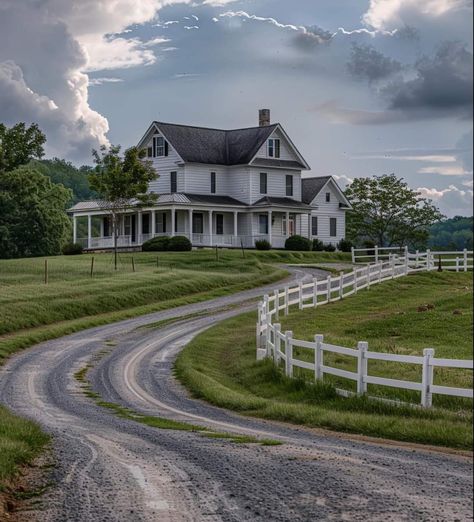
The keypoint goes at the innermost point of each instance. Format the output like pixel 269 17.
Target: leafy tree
pixel 387 211
pixel 33 221
pixel 20 144
pixel 121 182
pixel 452 234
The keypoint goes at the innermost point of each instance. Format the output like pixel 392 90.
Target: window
pixel 328 197
pixel 198 223
pixel 263 183
pixel 145 223
pixel 263 223
pixel 107 227
pixel 174 182
pixel 213 182
pixel 161 223
pixel 333 227
pixel 314 226
pixel 289 185
pixel 160 146
pixel 274 148
pixel 219 224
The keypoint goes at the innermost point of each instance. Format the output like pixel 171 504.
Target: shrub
pixel 370 246
pixel 157 244
pixel 72 249
pixel 318 245
pixel 329 248
pixel 179 244
pixel 345 245
pixel 298 243
pixel 263 244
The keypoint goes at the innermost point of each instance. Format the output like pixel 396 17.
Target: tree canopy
pixel 20 144
pixel 452 234
pixel 387 212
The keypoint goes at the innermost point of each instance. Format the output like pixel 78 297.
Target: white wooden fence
pixel 429 260
pixel 278 345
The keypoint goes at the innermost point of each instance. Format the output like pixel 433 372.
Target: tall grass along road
pixel 116 414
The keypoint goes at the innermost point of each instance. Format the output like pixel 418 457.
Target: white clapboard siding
pixel 276 183
pixel 286 150
pixel 197 179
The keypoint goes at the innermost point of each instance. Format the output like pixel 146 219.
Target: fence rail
pixel 278 345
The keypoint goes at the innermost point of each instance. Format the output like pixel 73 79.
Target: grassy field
pixel 32 311
pixel 219 365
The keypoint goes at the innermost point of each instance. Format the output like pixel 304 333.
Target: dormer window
pixel 274 148
pixel 160 146
pixel 328 197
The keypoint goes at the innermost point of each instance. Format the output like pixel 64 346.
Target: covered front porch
pixel 204 227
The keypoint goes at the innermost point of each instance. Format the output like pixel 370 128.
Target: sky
pixel 363 87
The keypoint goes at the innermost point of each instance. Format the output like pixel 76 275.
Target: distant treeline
pixel 452 234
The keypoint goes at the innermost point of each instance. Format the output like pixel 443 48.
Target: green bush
pixel 72 249
pixel 345 245
pixel 263 244
pixel 329 248
pixel 157 244
pixel 318 245
pixel 298 243
pixel 179 244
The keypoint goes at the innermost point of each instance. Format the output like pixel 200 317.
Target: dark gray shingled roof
pixel 214 146
pixel 289 164
pixel 206 199
pixel 280 202
pixel 311 187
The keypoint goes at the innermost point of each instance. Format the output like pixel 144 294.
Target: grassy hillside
pixel 221 368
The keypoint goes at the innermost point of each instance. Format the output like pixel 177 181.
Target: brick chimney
pixel 264 117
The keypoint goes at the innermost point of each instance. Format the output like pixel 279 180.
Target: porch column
pixel 210 227
pixel 74 229
pixel 287 224
pixel 89 231
pixel 236 224
pixel 310 226
pixel 139 227
pixel 270 226
pixel 153 223
pixel 190 213
pixel 173 222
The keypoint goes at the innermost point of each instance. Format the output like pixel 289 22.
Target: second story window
pixel 160 146
pixel 289 185
pixel 263 183
pixel 174 182
pixel 328 197
pixel 213 182
pixel 274 148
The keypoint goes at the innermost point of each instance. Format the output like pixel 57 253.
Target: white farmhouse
pixel 225 188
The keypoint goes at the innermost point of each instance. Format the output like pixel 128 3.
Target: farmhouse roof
pixel 280 202
pixel 311 187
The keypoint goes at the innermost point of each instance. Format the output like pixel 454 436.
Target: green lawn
pixel 32 311
pixel 219 365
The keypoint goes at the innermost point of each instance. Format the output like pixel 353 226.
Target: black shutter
pixel 166 148
pixel 150 152
pixel 154 147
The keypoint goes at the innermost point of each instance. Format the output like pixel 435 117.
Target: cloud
pixel 442 83
pixel 366 63
pixel 101 81
pixel 344 180
pixel 452 201
pixel 272 21
pixel 455 170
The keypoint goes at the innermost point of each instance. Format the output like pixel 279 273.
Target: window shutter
pixel 166 148
pixel 277 148
pixel 154 147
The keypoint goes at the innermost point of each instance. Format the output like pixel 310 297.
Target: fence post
pixel 457 264
pixel 328 284
pixel 318 357
pixel 353 255
pixel 380 271
pixel 300 296
pixel 341 285
pixel 259 326
pixel 368 276
pixel 416 260
pixel 355 281
pixel 428 259
pixel 315 292
pixel 392 263
pixel 362 367
pixel 277 304
pixel 427 378
pixel 276 353
pixel 289 353
pixel 406 263
pixel 376 253
pixel 465 260
pixel 287 299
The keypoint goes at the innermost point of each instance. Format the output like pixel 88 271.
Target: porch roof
pixel 281 202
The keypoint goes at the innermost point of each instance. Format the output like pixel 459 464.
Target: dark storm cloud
pixel 366 63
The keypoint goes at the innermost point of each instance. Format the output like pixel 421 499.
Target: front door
pixel 198 223
pixel 219 224
pixel 292 227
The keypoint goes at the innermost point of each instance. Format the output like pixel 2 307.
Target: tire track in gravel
pixel 113 469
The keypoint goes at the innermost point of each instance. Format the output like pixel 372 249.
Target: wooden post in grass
pixel 427 378
pixel 465 260
pixel 300 296
pixel 287 300
pixel 277 304
pixel 457 264
pixel 133 265
pixel 328 284
pixel 369 272
pixel 318 357
pixel 92 266
pixel 289 353
pixel 341 285
pixel 276 353
pixel 242 247
pixel 362 367
pixel 440 264
pixel 315 292
pixel 45 271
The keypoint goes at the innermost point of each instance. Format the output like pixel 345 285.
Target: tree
pixel 121 182
pixel 20 144
pixel 33 221
pixel 388 212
